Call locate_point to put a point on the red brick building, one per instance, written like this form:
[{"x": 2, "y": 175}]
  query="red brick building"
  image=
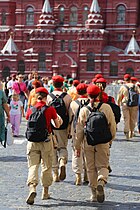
[{"x": 78, "y": 38}]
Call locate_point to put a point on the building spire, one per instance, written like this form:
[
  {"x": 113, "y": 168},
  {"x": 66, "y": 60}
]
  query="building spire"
[
  {"x": 10, "y": 47},
  {"x": 46, "y": 7},
  {"x": 95, "y": 7},
  {"x": 95, "y": 19},
  {"x": 46, "y": 20},
  {"x": 132, "y": 46}
]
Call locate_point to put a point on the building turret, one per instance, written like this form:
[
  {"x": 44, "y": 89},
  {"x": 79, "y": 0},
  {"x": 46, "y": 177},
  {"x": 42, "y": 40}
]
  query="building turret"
[
  {"x": 10, "y": 47},
  {"x": 46, "y": 20},
  {"x": 132, "y": 47},
  {"x": 95, "y": 20}
]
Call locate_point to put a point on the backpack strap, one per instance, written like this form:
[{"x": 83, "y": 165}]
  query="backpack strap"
[
  {"x": 43, "y": 108},
  {"x": 62, "y": 95},
  {"x": 99, "y": 105},
  {"x": 52, "y": 96},
  {"x": 126, "y": 87},
  {"x": 78, "y": 102},
  {"x": 94, "y": 108}
]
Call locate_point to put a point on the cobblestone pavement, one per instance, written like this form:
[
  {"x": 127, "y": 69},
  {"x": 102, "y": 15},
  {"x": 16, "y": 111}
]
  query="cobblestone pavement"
[{"x": 122, "y": 190}]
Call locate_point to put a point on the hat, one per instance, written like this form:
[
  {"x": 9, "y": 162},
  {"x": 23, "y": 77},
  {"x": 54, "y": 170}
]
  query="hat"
[
  {"x": 42, "y": 90},
  {"x": 58, "y": 78},
  {"x": 94, "y": 80},
  {"x": 134, "y": 79},
  {"x": 76, "y": 82},
  {"x": 81, "y": 86},
  {"x": 13, "y": 75},
  {"x": 93, "y": 90},
  {"x": 98, "y": 76},
  {"x": 127, "y": 76},
  {"x": 36, "y": 83},
  {"x": 101, "y": 80}
]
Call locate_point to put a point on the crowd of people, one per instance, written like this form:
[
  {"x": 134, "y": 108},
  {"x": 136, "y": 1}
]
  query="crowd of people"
[{"x": 67, "y": 105}]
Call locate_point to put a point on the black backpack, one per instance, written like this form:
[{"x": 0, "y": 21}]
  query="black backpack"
[
  {"x": 80, "y": 105},
  {"x": 133, "y": 96},
  {"x": 116, "y": 110},
  {"x": 96, "y": 128},
  {"x": 36, "y": 126},
  {"x": 59, "y": 104}
]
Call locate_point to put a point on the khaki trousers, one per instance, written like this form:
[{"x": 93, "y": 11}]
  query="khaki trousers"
[
  {"x": 39, "y": 153},
  {"x": 97, "y": 161},
  {"x": 130, "y": 115},
  {"x": 60, "y": 154}
]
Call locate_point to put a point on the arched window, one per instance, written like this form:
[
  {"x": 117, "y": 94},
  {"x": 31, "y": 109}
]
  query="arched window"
[
  {"x": 42, "y": 61},
  {"x": 130, "y": 71},
  {"x": 113, "y": 68},
  {"x": 73, "y": 16},
  {"x": 85, "y": 14},
  {"x": 121, "y": 13},
  {"x": 5, "y": 72},
  {"x": 30, "y": 16},
  {"x": 21, "y": 66},
  {"x": 3, "y": 18},
  {"x": 62, "y": 45},
  {"x": 61, "y": 15},
  {"x": 70, "y": 45},
  {"x": 90, "y": 61}
]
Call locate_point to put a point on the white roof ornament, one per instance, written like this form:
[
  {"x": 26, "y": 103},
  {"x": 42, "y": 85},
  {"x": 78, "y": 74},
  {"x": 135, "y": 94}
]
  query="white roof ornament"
[
  {"x": 10, "y": 47},
  {"x": 95, "y": 7},
  {"x": 132, "y": 46},
  {"x": 46, "y": 7}
]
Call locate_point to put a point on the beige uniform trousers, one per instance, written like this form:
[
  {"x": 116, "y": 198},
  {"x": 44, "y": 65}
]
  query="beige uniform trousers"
[
  {"x": 40, "y": 152},
  {"x": 60, "y": 154},
  {"x": 78, "y": 163},
  {"x": 97, "y": 161},
  {"x": 130, "y": 115}
]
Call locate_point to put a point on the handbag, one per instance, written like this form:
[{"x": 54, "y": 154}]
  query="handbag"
[
  {"x": 9, "y": 140},
  {"x": 21, "y": 92}
]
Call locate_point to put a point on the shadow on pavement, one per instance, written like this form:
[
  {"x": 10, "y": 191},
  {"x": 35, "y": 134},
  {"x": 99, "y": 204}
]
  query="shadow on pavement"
[
  {"x": 126, "y": 177},
  {"x": 13, "y": 159},
  {"x": 123, "y": 187},
  {"x": 107, "y": 205}
]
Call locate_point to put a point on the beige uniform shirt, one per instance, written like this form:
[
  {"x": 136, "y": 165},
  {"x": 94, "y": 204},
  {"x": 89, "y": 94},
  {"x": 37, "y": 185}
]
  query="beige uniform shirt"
[
  {"x": 122, "y": 97},
  {"x": 72, "y": 111},
  {"x": 83, "y": 115}
]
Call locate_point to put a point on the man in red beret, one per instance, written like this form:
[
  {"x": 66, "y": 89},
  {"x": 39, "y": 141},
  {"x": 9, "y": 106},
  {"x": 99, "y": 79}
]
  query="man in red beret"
[
  {"x": 130, "y": 114},
  {"x": 134, "y": 80},
  {"x": 39, "y": 151},
  {"x": 60, "y": 153},
  {"x": 78, "y": 163},
  {"x": 97, "y": 158}
]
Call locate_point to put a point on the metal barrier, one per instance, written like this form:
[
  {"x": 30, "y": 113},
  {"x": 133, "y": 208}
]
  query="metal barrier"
[{"x": 113, "y": 90}]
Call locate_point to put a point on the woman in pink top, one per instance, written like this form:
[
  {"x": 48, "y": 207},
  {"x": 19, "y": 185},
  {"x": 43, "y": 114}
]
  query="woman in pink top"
[{"x": 20, "y": 88}]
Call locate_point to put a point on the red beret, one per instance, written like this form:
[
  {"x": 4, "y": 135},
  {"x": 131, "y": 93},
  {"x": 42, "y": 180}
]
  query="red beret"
[
  {"x": 94, "y": 80},
  {"x": 41, "y": 90},
  {"x": 98, "y": 76},
  {"x": 93, "y": 90},
  {"x": 127, "y": 76},
  {"x": 76, "y": 82},
  {"x": 134, "y": 79},
  {"x": 13, "y": 75},
  {"x": 101, "y": 80},
  {"x": 81, "y": 86},
  {"x": 58, "y": 78}
]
